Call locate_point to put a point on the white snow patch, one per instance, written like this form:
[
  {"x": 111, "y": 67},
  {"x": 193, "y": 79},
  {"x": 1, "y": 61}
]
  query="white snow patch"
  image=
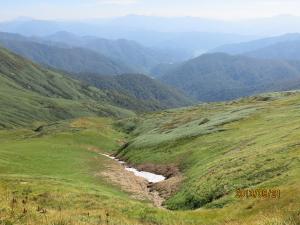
[{"x": 150, "y": 177}]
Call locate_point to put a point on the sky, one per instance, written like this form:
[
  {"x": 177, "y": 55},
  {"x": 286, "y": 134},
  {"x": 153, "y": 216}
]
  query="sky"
[{"x": 91, "y": 9}]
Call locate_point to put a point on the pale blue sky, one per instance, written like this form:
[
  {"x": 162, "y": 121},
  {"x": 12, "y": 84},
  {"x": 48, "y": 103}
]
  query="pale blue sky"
[{"x": 84, "y": 9}]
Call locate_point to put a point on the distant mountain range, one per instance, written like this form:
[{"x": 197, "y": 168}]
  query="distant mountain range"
[
  {"x": 218, "y": 77},
  {"x": 29, "y": 92},
  {"x": 289, "y": 50},
  {"x": 136, "y": 56},
  {"x": 246, "y": 47},
  {"x": 73, "y": 53},
  {"x": 187, "y": 37},
  {"x": 284, "y": 47},
  {"x": 262, "y": 65},
  {"x": 71, "y": 59},
  {"x": 131, "y": 25}
]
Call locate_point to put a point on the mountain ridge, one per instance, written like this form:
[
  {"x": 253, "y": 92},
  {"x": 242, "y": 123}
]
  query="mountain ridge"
[
  {"x": 219, "y": 76},
  {"x": 70, "y": 59},
  {"x": 140, "y": 88},
  {"x": 245, "y": 47}
]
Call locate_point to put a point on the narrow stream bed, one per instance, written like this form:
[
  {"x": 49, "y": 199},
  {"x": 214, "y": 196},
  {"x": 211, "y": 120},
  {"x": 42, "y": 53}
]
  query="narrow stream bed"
[{"x": 150, "y": 177}]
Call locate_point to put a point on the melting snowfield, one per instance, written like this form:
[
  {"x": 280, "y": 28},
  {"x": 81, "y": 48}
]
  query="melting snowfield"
[{"x": 150, "y": 177}]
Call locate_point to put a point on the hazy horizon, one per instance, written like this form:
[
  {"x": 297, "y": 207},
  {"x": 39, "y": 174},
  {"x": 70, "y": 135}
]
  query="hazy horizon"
[
  {"x": 24, "y": 18},
  {"x": 93, "y": 9}
]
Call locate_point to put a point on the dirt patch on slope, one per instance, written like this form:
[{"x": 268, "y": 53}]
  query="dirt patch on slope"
[
  {"x": 140, "y": 188},
  {"x": 137, "y": 186},
  {"x": 168, "y": 187}
]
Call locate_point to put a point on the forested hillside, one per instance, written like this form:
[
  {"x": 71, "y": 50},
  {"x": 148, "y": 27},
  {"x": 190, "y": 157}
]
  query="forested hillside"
[
  {"x": 217, "y": 77},
  {"x": 148, "y": 93}
]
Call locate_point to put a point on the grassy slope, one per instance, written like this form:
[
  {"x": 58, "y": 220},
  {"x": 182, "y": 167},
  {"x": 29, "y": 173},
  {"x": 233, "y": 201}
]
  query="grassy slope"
[
  {"x": 31, "y": 93},
  {"x": 224, "y": 146},
  {"x": 53, "y": 170}
]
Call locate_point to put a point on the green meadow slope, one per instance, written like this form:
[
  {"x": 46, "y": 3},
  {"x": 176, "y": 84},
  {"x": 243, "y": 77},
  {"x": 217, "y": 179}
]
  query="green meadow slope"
[
  {"x": 50, "y": 176},
  {"x": 221, "y": 147},
  {"x": 53, "y": 175}
]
